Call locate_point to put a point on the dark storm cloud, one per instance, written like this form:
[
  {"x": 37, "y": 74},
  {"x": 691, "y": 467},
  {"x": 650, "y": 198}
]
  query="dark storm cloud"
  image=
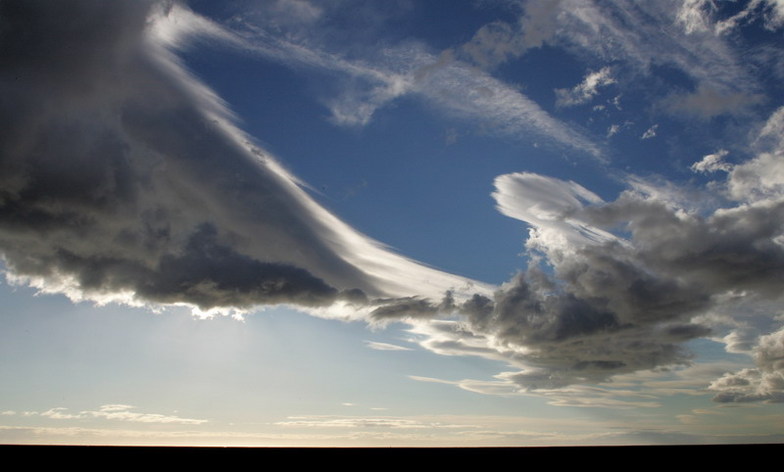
[
  {"x": 599, "y": 318},
  {"x": 122, "y": 177},
  {"x": 205, "y": 273},
  {"x": 120, "y": 173},
  {"x": 731, "y": 249},
  {"x": 616, "y": 307}
]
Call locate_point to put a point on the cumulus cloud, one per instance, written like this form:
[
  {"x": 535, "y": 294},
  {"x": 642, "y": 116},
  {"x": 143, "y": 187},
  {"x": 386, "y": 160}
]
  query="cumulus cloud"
[
  {"x": 765, "y": 382},
  {"x": 620, "y": 287}
]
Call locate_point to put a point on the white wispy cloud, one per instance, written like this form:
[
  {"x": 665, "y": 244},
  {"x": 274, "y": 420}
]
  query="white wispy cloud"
[
  {"x": 712, "y": 162},
  {"x": 585, "y": 90},
  {"x": 641, "y": 36},
  {"x": 385, "y": 346},
  {"x": 115, "y": 412},
  {"x": 361, "y": 422},
  {"x": 388, "y": 73}
]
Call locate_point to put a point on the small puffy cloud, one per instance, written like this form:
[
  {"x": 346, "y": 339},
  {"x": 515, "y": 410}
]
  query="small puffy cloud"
[
  {"x": 712, "y": 163},
  {"x": 585, "y": 90},
  {"x": 650, "y": 132},
  {"x": 617, "y": 128}
]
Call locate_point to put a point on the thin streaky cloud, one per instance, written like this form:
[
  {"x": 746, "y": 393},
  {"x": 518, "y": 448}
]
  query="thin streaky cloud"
[
  {"x": 378, "y": 346},
  {"x": 409, "y": 69},
  {"x": 116, "y": 413}
]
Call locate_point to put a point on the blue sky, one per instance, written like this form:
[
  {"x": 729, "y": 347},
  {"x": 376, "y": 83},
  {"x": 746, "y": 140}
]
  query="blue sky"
[{"x": 349, "y": 223}]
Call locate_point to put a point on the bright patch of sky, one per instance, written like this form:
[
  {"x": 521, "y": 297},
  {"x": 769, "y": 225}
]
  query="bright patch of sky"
[{"x": 508, "y": 222}]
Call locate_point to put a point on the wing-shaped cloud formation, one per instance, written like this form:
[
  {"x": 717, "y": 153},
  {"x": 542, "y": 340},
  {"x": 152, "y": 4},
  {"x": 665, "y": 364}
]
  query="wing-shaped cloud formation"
[{"x": 125, "y": 178}]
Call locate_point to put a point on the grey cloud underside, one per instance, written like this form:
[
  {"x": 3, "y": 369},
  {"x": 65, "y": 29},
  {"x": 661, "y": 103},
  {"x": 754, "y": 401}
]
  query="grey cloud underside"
[
  {"x": 114, "y": 179},
  {"x": 589, "y": 312}
]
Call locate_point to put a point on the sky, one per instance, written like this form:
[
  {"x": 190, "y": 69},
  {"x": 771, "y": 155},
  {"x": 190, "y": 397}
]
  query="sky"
[{"x": 391, "y": 223}]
